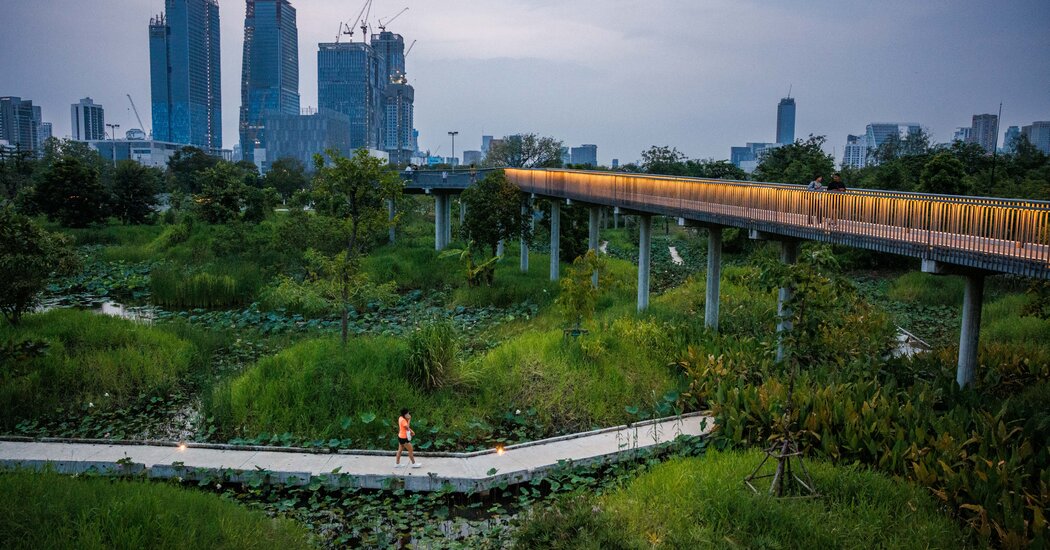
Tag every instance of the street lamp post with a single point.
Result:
(453, 134)
(113, 140)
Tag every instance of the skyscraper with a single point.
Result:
(89, 120)
(185, 74)
(20, 123)
(586, 154)
(786, 121)
(855, 154)
(346, 83)
(398, 110)
(269, 73)
(1038, 133)
(389, 50)
(1009, 140)
(985, 132)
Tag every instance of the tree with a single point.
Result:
(524, 151)
(29, 255)
(16, 171)
(286, 175)
(71, 193)
(579, 295)
(133, 192)
(664, 160)
(714, 169)
(943, 175)
(186, 165)
(796, 163)
(356, 190)
(222, 191)
(494, 214)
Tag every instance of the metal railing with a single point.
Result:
(996, 234)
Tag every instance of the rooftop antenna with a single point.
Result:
(382, 25)
(790, 86)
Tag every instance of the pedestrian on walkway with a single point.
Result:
(815, 186)
(836, 186)
(404, 438)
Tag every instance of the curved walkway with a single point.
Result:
(458, 472)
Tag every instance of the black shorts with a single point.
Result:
(403, 440)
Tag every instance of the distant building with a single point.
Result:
(347, 84)
(302, 136)
(1038, 133)
(398, 111)
(20, 123)
(46, 132)
(615, 163)
(145, 152)
(486, 144)
(472, 157)
(748, 157)
(89, 120)
(985, 132)
(786, 121)
(855, 154)
(270, 71)
(566, 156)
(878, 132)
(135, 134)
(186, 74)
(1010, 139)
(389, 49)
(585, 155)
(962, 134)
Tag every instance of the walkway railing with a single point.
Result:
(1003, 235)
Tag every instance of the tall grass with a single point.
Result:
(703, 503)
(52, 511)
(90, 358)
(233, 284)
(433, 353)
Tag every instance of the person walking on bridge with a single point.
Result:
(815, 186)
(404, 438)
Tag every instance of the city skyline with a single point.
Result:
(574, 80)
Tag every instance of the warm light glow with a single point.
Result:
(500, 450)
(182, 446)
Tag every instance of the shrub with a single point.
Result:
(433, 350)
(90, 358)
(28, 257)
(52, 511)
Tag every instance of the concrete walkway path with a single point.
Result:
(459, 472)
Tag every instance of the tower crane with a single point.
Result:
(382, 25)
(133, 108)
(409, 50)
(349, 29)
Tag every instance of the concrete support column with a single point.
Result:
(500, 249)
(527, 210)
(440, 221)
(645, 241)
(714, 277)
(970, 336)
(555, 240)
(448, 220)
(391, 212)
(788, 255)
(595, 214)
(462, 211)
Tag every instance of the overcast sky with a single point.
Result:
(700, 75)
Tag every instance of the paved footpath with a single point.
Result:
(459, 472)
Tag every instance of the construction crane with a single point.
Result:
(382, 25)
(133, 108)
(409, 50)
(349, 29)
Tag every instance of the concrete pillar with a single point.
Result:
(527, 210)
(448, 220)
(439, 224)
(462, 211)
(645, 241)
(714, 277)
(788, 255)
(595, 213)
(391, 212)
(500, 249)
(555, 240)
(970, 336)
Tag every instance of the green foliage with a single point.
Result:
(943, 175)
(16, 172)
(29, 255)
(796, 163)
(433, 350)
(669, 161)
(92, 362)
(524, 151)
(230, 284)
(494, 213)
(701, 503)
(579, 295)
(52, 511)
(287, 176)
(221, 195)
(187, 166)
(70, 192)
(134, 191)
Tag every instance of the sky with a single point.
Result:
(698, 75)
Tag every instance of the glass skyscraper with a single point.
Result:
(270, 71)
(786, 121)
(347, 83)
(185, 74)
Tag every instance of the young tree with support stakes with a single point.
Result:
(494, 214)
(356, 190)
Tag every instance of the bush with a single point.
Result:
(28, 257)
(52, 511)
(702, 503)
(433, 349)
(90, 358)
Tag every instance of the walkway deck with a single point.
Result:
(461, 472)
